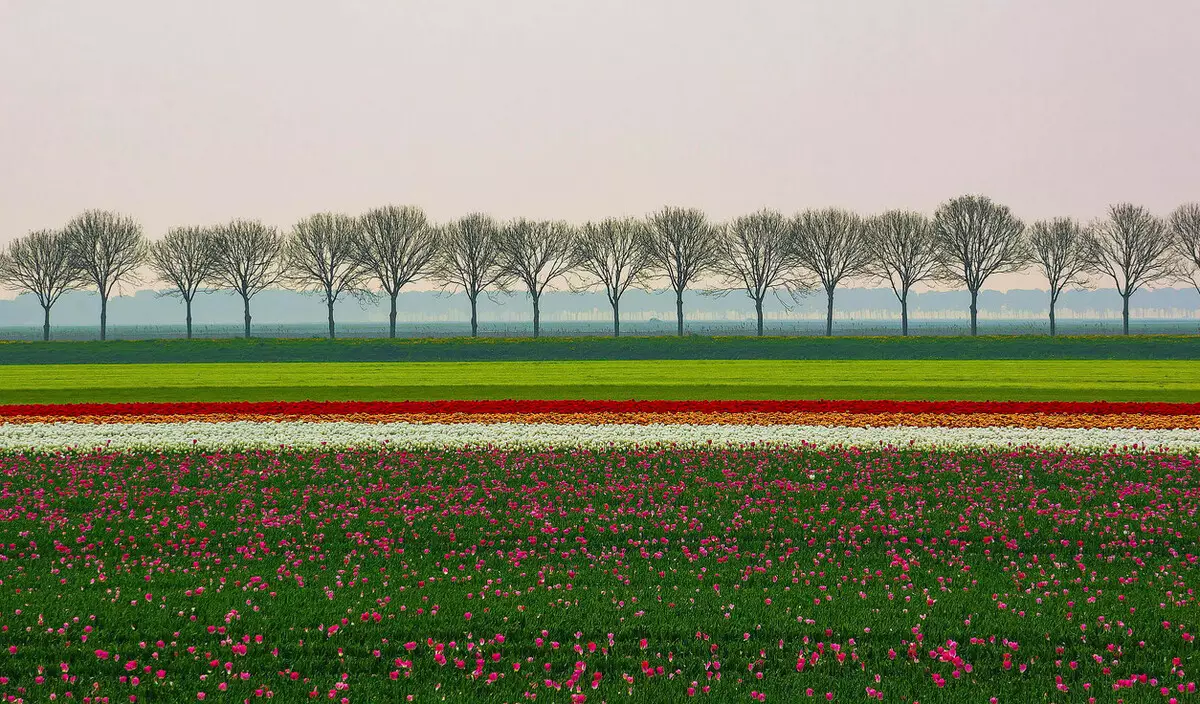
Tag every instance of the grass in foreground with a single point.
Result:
(592, 576)
(603, 348)
(1061, 380)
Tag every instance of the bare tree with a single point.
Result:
(976, 239)
(682, 245)
(903, 252)
(611, 253)
(536, 253)
(397, 246)
(1133, 248)
(108, 248)
(247, 260)
(40, 263)
(471, 259)
(321, 256)
(834, 245)
(756, 256)
(184, 258)
(1185, 227)
(1059, 248)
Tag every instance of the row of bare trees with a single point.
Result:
(968, 240)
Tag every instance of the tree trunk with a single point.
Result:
(1125, 314)
(187, 303)
(103, 317)
(246, 304)
(829, 314)
(329, 306)
(537, 318)
(904, 314)
(1052, 328)
(679, 310)
(974, 313)
(46, 324)
(392, 317)
(758, 309)
(474, 318)
(616, 318)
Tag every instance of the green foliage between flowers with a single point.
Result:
(928, 576)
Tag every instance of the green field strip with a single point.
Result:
(1025, 347)
(1068, 380)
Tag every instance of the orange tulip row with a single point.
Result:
(860, 420)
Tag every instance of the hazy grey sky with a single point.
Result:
(190, 113)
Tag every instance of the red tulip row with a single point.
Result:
(329, 408)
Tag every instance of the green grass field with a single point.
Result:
(1184, 347)
(1060, 380)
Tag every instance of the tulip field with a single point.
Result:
(600, 551)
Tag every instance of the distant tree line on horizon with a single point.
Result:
(375, 255)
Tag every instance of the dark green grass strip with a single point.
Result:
(600, 348)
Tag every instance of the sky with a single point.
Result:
(195, 113)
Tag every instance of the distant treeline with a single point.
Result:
(278, 308)
(760, 255)
(1131, 347)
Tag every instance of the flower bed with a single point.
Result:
(345, 434)
(344, 408)
(524, 574)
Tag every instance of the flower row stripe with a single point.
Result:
(924, 420)
(340, 434)
(524, 407)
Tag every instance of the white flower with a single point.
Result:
(222, 435)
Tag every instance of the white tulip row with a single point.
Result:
(254, 434)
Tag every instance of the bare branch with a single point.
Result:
(1133, 248)
(41, 264)
(903, 250)
(322, 256)
(470, 258)
(682, 245)
(757, 256)
(247, 257)
(977, 238)
(1185, 228)
(904, 253)
(397, 246)
(108, 248)
(247, 260)
(610, 254)
(834, 245)
(1059, 248)
(185, 259)
(536, 253)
